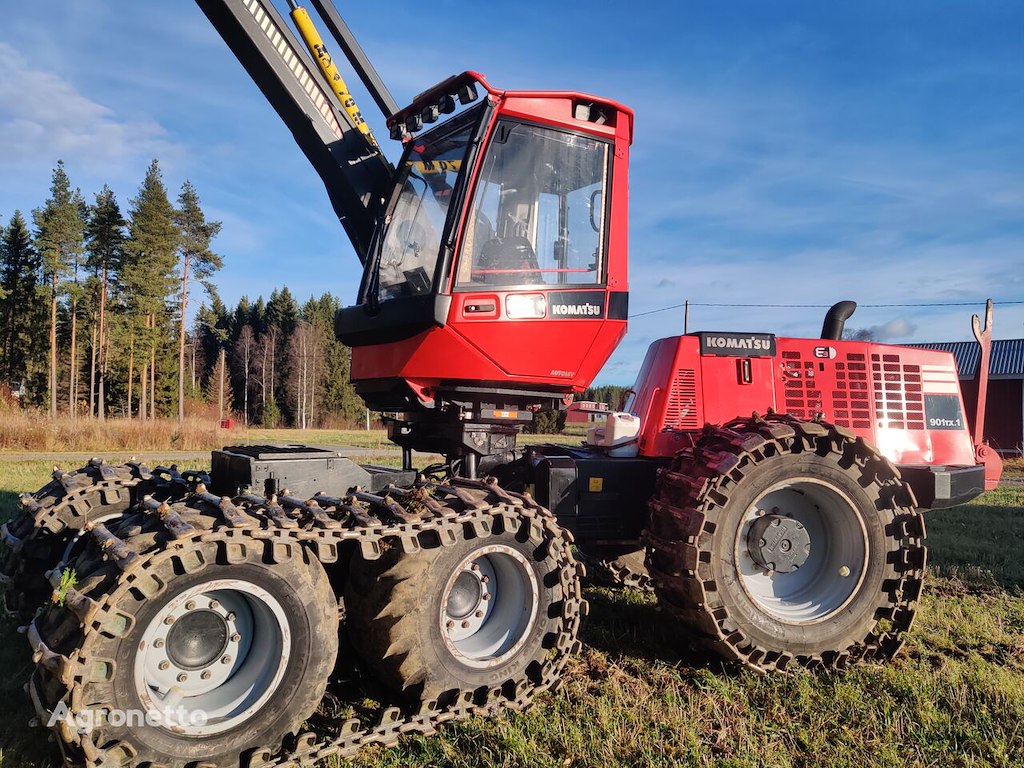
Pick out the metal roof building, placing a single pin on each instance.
(1007, 356)
(1004, 409)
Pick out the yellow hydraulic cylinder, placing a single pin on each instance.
(318, 51)
(436, 166)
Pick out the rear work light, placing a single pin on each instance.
(525, 305)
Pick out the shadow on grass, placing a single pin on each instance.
(8, 505)
(981, 544)
(20, 745)
(626, 623)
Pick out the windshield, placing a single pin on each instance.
(410, 242)
(538, 211)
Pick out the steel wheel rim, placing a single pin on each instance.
(488, 607)
(835, 569)
(199, 678)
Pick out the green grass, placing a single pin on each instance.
(636, 697)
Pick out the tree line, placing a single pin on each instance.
(275, 362)
(94, 307)
(111, 291)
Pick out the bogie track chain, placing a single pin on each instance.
(37, 535)
(65, 636)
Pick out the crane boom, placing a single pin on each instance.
(351, 165)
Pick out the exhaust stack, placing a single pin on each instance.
(835, 319)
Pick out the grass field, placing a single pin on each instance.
(636, 697)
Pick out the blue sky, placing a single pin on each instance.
(785, 152)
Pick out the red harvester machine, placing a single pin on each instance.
(769, 489)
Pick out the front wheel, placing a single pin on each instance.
(781, 542)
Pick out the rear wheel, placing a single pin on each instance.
(48, 526)
(221, 647)
(779, 542)
(472, 614)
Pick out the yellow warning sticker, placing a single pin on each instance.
(596, 484)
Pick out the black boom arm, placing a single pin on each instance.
(355, 172)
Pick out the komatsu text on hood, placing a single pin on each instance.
(737, 344)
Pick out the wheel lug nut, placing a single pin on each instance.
(164, 665)
(479, 614)
(230, 616)
(450, 624)
(485, 596)
(182, 677)
(485, 579)
(475, 567)
(225, 660)
(206, 675)
(236, 638)
(168, 620)
(190, 605)
(215, 604)
(158, 643)
(465, 625)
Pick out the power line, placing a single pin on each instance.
(826, 306)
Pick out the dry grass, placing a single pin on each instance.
(29, 431)
(26, 431)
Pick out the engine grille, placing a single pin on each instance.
(681, 412)
(899, 401)
(802, 396)
(851, 397)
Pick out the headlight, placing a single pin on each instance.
(524, 305)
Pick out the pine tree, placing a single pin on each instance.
(194, 245)
(147, 279)
(60, 232)
(283, 315)
(213, 326)
(105, 233)
(19, 268)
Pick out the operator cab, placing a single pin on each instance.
(497, 272)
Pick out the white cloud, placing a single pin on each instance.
(44, 118)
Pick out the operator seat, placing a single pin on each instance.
(507, 261)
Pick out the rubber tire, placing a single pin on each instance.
(393, 606)
(852, 623)
(709, 505)
(300, 585)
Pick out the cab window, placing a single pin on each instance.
(538, 211)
